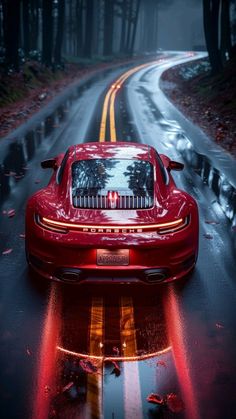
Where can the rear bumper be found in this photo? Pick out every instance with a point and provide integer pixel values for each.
(79, 276)
(153, 258)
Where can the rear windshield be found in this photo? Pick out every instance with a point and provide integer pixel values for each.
(99, 176)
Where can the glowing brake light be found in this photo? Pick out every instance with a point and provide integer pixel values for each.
(161, 228)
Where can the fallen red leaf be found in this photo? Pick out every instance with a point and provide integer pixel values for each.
(67, 387)
(116, 369)
(156, 399)
(208, 236)
(11, 213)
(88, 366)
(219, 326)
(7, 252)
(116, 350)
(28, 352)
(174, 403)
(162, 363)
(211, 222)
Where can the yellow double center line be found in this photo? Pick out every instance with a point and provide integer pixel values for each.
(109, 104)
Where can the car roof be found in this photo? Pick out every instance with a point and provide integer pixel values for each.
(120, 150)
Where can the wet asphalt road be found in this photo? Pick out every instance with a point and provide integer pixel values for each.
(182, 335)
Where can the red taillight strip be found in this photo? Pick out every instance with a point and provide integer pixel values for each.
(176, 223)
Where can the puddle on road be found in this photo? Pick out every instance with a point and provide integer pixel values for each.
(225, 192)
(212, 177)
(22, 149)
(90, 341)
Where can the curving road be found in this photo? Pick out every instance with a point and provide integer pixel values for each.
(95, 351)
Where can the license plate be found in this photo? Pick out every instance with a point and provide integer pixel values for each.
(113, 257)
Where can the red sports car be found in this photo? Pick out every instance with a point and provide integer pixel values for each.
(112, 212)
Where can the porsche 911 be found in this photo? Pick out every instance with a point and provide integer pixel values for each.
(112, 213)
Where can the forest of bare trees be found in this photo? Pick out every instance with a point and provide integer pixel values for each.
(219, 26)
(52, 30)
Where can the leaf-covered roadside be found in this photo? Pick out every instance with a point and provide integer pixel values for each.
(23, 94)
(209, 101)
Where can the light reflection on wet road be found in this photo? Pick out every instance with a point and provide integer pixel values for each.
(99, 351)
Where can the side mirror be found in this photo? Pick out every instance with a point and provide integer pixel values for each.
(49, 164)
(175, 165)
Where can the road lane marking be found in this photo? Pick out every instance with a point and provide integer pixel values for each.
(128, 332)
(109, 102)
(95, 381)
(112, 117)
(102, 133)
(132, 390)
(96, 327)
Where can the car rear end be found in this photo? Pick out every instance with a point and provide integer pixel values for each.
(112, 223)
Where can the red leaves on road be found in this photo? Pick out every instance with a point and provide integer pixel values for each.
(156, 399)
(67, 386)
(116, 350)
(208, 236)
(211, 222)
(174, 403)
(88, 366)
(162, 363)
(221, 131)
(11, 213)
(219, 326)
(7, 252)
(116, 369)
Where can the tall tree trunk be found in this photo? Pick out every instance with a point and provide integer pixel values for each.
(60, 31)
(130, 12)
(89, 29)
(47, 33)
(211, 28)
(108, 27)
(26, 27)
(1, 27)
(79, 27)
(123, 25)
(70, 27)
(155, 12)
(225, 44)
(135, 26)
(34, 5)
(11, 27)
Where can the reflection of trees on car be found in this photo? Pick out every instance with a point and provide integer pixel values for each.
(140, 176)
(90, 176)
